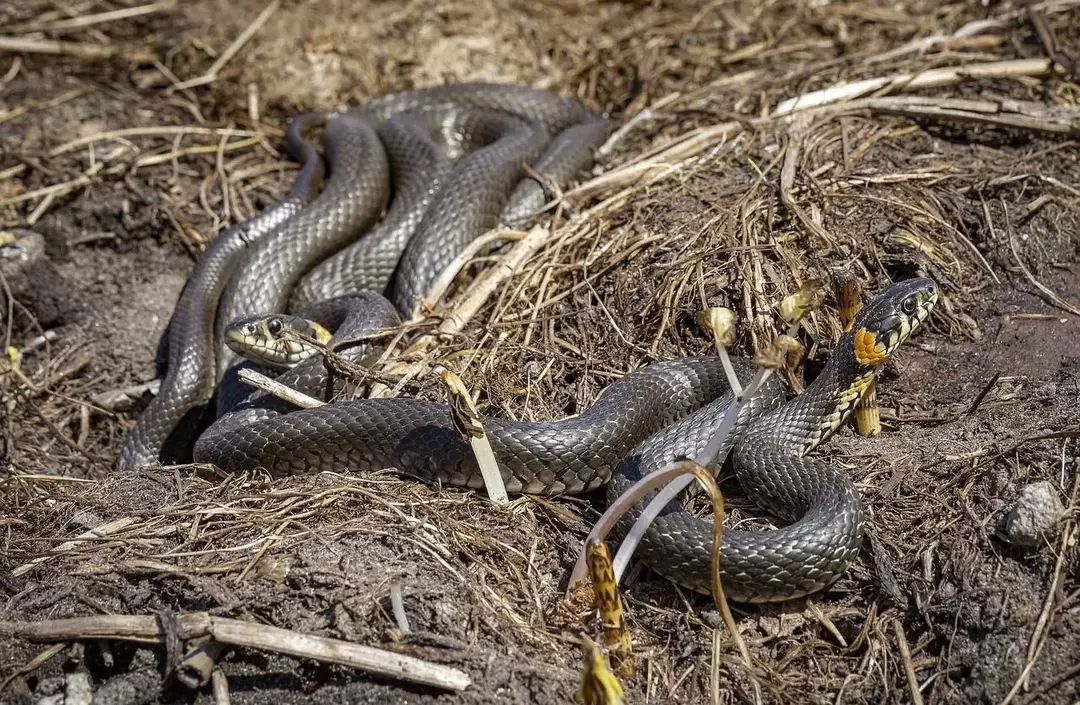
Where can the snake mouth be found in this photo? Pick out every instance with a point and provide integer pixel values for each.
(253, 346)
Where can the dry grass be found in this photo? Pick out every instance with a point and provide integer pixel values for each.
(713, 193)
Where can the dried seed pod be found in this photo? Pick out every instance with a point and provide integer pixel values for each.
(721, 321)
(797, 306)
(599, 686)
(771, 358)
(792, 349)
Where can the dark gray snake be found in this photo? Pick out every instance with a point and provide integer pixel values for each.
(452, 156)
(644, 420)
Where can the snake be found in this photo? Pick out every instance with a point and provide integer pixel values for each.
(169, 420)
(420, 174)
(360, 255)
(645, 420)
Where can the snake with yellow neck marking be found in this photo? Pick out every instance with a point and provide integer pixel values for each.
(644, 421)
(416, 176)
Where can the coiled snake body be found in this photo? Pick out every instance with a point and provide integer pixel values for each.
(473, 140)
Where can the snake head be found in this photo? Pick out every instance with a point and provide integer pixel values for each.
(890, 319)
(276, 340)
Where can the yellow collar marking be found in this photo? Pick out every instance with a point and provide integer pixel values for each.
(321, 334)
(867, 350)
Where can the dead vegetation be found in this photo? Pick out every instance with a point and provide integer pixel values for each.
(761, 145)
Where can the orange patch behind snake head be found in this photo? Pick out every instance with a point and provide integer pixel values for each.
(868, 351)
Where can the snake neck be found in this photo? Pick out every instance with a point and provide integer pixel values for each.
(812, 417)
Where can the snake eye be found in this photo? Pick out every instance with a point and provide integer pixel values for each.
(908, 305)
(274, 326)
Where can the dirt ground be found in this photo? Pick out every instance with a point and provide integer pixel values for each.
(973, 179)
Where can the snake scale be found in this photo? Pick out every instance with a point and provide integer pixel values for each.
(412, 179)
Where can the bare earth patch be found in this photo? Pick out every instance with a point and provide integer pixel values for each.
(964, 166)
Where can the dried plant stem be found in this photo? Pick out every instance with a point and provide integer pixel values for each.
(463, 310)
(442, 283)
(662, 162)
(909, 668)
(194, 625)
(199, 663)
(398, 606)
(697, 471)
(1050, 294)
(609, 606)
(159, 131)
(98, 532)
(470, 428)
(232, 50)
(1003, 113)
(82, 21)
(220, 685)
(932, 78)
(279, 390)
(80, 49)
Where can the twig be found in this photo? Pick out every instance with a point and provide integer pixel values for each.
(1001, 113)
(909, 668)
(646, 114)
(124, 399)
(153, 159)
(1054, 298)
(220, 685)
(974, 406)
(933, 78)
(4, 80)
(660, 164)
(446, 277)
(714, 680)
(279, 390)
(198, 665)
(32, 665)
(973, 28)
(99, 532)
(80, 49)
(924, 44)
(464, 309)
(193, 625)
(88, 20)
(159, 131)
(51, 191)
(211, 73)
(1063, 62)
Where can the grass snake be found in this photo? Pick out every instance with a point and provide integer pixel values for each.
(470, 141)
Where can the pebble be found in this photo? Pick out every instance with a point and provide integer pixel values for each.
(1035, 518)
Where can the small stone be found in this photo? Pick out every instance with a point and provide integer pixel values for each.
(1035, 518)
(711, 618)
